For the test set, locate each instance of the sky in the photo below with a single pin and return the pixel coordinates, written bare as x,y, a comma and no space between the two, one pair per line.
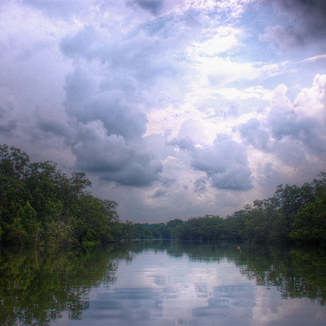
172,108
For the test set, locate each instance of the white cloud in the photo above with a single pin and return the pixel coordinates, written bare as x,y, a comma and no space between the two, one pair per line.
291,135
310,103
219,40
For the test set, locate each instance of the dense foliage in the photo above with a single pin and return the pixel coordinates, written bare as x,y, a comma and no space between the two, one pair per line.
155,231
293,214
41,205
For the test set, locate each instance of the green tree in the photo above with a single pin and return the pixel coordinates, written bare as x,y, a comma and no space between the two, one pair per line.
41,205
310,223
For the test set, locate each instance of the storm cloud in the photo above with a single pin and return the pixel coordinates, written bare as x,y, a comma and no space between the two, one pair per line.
152,6
108,134
108,122
225,163
172,108
306,26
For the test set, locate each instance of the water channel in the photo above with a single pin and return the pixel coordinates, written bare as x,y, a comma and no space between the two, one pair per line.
164,283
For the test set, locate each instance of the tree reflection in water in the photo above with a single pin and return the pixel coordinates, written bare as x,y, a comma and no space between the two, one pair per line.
36,286
296,272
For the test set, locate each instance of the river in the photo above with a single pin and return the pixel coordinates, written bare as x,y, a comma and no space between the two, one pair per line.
164,283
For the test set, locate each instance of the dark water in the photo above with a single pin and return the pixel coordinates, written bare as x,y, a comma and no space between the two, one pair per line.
164,283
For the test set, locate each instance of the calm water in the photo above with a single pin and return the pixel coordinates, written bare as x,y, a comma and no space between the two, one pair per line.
164,283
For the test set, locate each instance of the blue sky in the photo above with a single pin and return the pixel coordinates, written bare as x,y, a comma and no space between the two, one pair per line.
172,108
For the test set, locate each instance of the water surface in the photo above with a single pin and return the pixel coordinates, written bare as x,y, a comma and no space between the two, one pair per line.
164,283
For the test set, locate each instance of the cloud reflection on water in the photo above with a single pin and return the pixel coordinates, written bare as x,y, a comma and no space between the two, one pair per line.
156,288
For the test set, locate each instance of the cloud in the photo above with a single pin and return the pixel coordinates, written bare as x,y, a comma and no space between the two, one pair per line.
130,57
290,135
152,6
192,129
235,177
59,8
282,37
83,44
167,182
157,144
302,122
183,144
254,133
158,193
6,128
134,93
225,164
200,184
112,158
54,127
9,119
109,129
307,24
106,98
86,101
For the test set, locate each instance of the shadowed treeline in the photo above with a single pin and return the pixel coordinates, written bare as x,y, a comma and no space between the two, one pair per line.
293,214
40,205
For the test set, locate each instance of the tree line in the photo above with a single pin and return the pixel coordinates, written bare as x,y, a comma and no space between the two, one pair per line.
40,205
292,214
